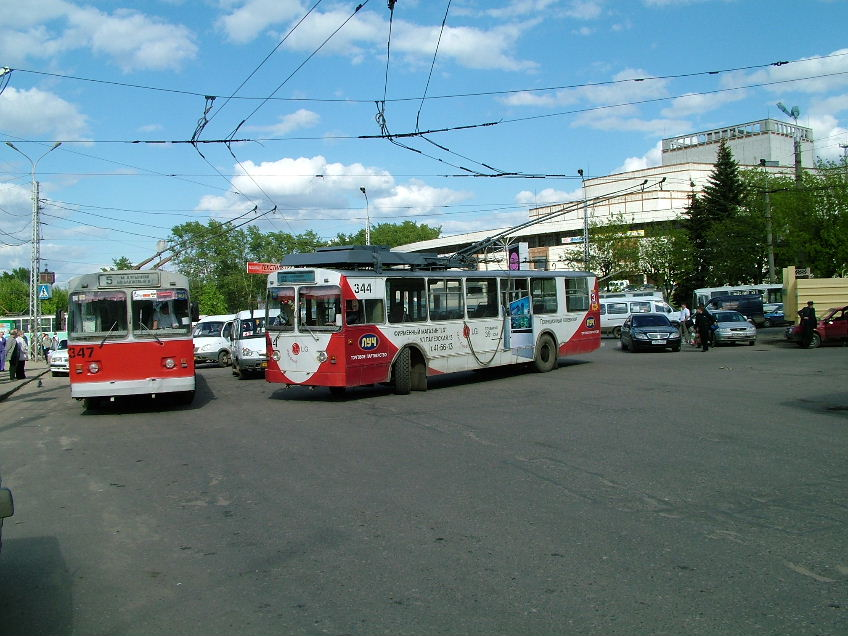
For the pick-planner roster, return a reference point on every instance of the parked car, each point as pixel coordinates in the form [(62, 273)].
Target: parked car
[(773, 315), (733, 327), (832, 327), (58, 359), (7, 509), (749, 305), (649, 331)]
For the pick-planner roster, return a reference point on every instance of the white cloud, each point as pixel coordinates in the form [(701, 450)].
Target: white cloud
[(34, 112), (624, 87), (813, 75), (700, 104), (548, 196), (650, 159), (133, 40), (467, 46), (293, 184), (287, 123), (830, 136), (254, 16), (417, 198)]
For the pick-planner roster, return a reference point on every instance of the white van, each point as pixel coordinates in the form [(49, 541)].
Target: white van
[(211, 337), (247, 342), (614, 311)]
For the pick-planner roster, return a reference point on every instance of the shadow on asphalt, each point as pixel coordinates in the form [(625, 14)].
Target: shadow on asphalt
[(146, 404), (446, 381)]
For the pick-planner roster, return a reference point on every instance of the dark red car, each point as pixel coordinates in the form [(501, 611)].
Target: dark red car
[(832, 327)]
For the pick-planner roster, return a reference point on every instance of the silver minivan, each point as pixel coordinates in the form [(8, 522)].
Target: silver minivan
[(614, 311), (211, 335), (247, 342)]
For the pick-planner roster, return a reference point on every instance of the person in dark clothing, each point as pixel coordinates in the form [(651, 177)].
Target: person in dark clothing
[(703, 323), (808, 323)]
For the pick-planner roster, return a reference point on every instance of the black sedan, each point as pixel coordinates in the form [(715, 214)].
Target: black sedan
[(649, 331)]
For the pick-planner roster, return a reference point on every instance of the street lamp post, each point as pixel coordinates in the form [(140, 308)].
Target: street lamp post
[(367, 217), (35, 319)]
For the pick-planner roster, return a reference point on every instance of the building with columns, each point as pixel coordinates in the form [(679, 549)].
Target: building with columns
[(645, 196)]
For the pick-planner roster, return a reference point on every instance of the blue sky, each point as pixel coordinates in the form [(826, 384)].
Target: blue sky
[(534, 88)]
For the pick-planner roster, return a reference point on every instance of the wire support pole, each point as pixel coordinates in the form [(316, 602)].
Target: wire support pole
[(35, 318)]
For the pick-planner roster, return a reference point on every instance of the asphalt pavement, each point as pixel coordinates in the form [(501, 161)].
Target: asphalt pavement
[(34, 370)]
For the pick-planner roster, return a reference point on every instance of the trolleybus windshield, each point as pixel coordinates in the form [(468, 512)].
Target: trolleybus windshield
[(98, 314)]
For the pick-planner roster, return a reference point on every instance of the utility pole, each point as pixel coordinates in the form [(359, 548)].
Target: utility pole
[(769, 237), (585, 223), (35, 319)]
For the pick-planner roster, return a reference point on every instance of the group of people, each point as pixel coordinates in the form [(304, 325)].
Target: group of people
[(702, 323), (14, 352), (699, 325)]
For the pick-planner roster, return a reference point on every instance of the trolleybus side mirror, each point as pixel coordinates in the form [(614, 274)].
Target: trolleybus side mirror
[(195, 312)]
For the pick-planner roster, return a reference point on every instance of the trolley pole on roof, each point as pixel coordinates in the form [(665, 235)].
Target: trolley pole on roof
[(35, 319)]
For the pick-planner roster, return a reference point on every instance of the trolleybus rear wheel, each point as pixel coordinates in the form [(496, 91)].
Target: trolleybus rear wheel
[(546, 354)]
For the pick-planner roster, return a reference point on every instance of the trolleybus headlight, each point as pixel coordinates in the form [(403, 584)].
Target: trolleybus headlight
[(169, 363), (322, 356), (276, 356), (94, 367)]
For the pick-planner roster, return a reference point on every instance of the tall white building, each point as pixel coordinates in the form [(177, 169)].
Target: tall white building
[(650, 195)]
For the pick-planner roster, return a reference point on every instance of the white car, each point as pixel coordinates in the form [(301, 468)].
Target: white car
[(58, 359)]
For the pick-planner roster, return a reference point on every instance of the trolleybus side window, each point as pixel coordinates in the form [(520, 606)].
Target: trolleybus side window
[(445, 298), (369, 311), (320, 307), (543, 291), (406, 299), (576, 294), (281, 298), (98, 313), (481, 297)]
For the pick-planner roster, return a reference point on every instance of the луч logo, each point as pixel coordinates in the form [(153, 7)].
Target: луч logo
[(369, 342)]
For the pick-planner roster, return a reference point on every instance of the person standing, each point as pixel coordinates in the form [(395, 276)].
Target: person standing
[(12, 353), (704, 322), (808, 323), (46, 345), (2, 350), (683, 319), (21, 357)]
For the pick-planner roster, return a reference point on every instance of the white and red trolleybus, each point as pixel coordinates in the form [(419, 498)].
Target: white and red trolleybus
[(129, 333), (384, 316)]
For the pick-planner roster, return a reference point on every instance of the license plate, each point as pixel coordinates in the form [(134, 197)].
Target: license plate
[(658, 342)]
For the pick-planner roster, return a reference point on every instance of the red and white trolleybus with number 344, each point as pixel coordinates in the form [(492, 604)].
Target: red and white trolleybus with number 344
[(353, 316)]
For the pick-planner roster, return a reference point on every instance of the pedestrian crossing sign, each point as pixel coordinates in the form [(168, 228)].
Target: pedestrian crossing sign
[(45, 291)]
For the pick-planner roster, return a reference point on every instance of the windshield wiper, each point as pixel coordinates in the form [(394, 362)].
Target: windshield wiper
[(108, 333), (153, 333)]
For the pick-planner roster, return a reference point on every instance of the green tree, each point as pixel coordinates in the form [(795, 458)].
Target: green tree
[(119, 263), (717, 230), (612, 248), (14, 293), (665, 257), (811, 220), (392, 234)]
